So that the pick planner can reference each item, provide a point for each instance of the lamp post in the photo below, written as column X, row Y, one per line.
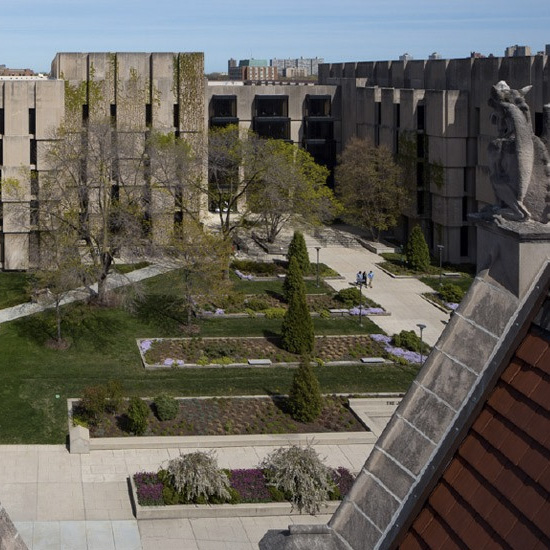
column 317, row 248
column 421, row 327
column 441, row 247
column 360, row 285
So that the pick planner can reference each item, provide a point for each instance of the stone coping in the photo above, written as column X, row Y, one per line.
column 80, row 441
column 189, row 511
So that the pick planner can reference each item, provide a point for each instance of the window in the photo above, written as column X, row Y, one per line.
column 397, row 115
column 176, row 115
column 223, row 110
column 34, row 183
column 318, row 105
column 34, row 212
column 33, row 151
column 85, row 113
column 32, row 121
column 420, row 174
column 420, row 117
column 2, row 121
column 148, row 115
column 420, row 203
column 113, row 113
column 271, row 106
column 319, row 129
column 420, row 148
column 378, row 107
column 464, row 248
column 539, row 124
column 464, row 209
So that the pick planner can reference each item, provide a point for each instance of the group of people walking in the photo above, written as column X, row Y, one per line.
column 364, row 278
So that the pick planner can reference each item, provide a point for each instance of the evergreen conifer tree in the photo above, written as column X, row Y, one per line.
column 298, row 249
column 293, row 279
column 305, row 399
column 417, row 251
column 297, row 327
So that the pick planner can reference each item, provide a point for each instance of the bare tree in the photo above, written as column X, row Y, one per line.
column 368, row 183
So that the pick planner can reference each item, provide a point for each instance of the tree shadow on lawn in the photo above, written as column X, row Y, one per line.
column 276, row 295
column 79, row 324
column 166, row 312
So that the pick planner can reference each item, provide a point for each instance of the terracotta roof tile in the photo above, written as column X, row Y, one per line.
column 411, row 542
column 532, row 348
column 477, row 536
column 522, row 536
column 495, row 492
column 544, row 362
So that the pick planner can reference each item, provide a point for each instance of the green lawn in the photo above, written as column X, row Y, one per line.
column 463, row 282
column 104, row 347
column 13, row 289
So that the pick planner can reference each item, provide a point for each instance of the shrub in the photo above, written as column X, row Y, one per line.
column 301, row 475
column 93, row 402
column 256, row 304
column 304, row 397
column 255, row 268
column 166, row 407
column 197, row 476
column 275, row 312
column 350, row 296
column 417, row 251
column 451, row 293
column 297, row 326
column 138, row 411
column 408, row 339
column 113, row 390
column 298, row 249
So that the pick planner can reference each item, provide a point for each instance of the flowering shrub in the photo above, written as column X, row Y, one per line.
column 241, row 275
column 451, row 305
column 219, row 311
column 366, row 310
column 411, row 356
column 299, row 473
column 343, row 479
column 145, row 345
column 197, row 476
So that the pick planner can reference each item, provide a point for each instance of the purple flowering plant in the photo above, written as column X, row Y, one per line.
column 250, row 484
column 411, row 356
column 149, row 489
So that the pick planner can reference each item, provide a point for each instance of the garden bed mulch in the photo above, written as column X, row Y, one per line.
column 181, row 351
column 234, row 416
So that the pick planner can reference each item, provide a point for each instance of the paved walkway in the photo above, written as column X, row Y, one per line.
column 401, row 297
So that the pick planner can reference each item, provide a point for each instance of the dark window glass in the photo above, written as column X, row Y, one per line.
column 420, row 117
column 32, row 121
column 464, row 244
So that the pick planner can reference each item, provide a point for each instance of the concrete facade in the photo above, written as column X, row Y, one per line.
column 435, row 117
column 432, row 114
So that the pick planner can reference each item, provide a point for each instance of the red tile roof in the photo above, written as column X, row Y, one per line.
column 495, row 492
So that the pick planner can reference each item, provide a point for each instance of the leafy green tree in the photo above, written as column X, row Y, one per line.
column 368, row 183
column 298, row 249
column 297, row 326
column 292, row 187
column 305, row 393
column 417, row 251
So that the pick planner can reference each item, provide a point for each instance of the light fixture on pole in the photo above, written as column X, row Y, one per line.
column 421, row 327
column 441, row 247
column 359, row 283
column 317, row 248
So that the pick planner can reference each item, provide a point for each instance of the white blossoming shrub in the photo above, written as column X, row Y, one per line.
column 198, row 477
column 300, row 473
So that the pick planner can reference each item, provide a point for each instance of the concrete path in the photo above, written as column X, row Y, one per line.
column 401, row 297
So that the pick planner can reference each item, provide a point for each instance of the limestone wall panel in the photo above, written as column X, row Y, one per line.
column 49, row 107
column 436, row 74
column 16, row 217
column 163, row 91
column 16, row 251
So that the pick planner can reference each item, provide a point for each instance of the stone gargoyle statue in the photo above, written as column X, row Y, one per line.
column 519, row 162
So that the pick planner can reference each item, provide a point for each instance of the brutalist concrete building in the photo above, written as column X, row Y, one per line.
column 432, row 114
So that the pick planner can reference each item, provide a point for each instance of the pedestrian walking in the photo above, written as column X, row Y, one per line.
column 364, row 278
column 370, row 277
column 359, row 278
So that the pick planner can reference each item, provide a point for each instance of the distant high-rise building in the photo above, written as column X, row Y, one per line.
column 309, row 64
column 435, row 55
column 251, row 69
column 405, row 57
column 517, row 51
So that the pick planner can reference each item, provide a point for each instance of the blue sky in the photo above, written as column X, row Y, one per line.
column 33, row 31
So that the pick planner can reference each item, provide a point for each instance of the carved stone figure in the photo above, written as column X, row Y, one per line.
column 519, row 161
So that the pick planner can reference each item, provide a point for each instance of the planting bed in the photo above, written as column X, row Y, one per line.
column 174, row 352
column 231, row 416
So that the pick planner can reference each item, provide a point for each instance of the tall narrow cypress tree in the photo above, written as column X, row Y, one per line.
column 298, row 249
column 304, row 397
column 297, row 327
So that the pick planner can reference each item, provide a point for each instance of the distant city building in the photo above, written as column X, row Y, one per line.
column 5, row 71
column 476, row 55
column 517, row 51
column 295, row 72
column 309, row 64
column 406, row 57
column 251, row 69
column 547, row 49
column 435, row 55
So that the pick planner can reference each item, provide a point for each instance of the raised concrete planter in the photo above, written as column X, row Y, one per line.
column 80, row 441
column 185, row 511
